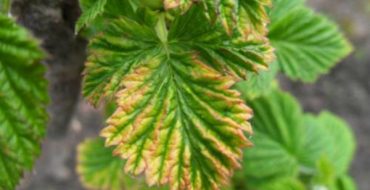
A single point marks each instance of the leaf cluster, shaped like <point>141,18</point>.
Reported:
<point>295,150</point>
<point>177,119</point>
<point>171,69</point>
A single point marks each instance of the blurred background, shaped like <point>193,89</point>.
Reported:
<point>344,91</point>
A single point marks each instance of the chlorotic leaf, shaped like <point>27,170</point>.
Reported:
<point>23,97</point>
<point>110,49</point>
<point>178,120</point>
<point>90,12</point>
<point>307,44</point>
<point>233,56</point>
<point>104,69</point>
<point>163,126</point>
<point>99,169</point>
<point>183,4</point>
<point>248,17</point>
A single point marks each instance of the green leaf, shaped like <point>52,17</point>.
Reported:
<point>307,44</point>
<point>23,97</point>
<point>277,138</point>
<point>339,152</point>
<point>327,177</point>
<point>284,136</point>
<point>283,184</point>
<point>258,84</point>
<point>345,183</point>
<point>176,109</point>
<point>91,10</point>
<point>281,8</point>
<point>99,169</point>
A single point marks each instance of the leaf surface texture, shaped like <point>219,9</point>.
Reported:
<point>307,44</point>
<point>285,136</point>
<point>178,121</point>
<point>23,96</point>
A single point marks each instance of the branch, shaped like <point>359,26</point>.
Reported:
<point>53,23</point>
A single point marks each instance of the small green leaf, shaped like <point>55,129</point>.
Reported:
<point>100,170</point>
<point>307,44</point>
<point>23,97</point>
<point>345,182</point>
<point>91,10</point>
<point>323,133</point>
<point>277,139</point>
<point>327,177</point>
<point>283,184</point>
<point>258,84</point>
<point>284,136</point>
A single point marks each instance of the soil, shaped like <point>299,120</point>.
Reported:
<point>344,91</point>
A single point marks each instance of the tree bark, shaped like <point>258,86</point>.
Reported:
<point>52,21</point>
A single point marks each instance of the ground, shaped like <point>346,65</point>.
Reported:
<point>344,91</point>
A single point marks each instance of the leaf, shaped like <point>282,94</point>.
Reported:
<point>111,49</point>
<point>327,177</point>
<point>283,184</point>
<point>163,121</point>
<point>339,152</point>
<point>233,56</point>
<point>99,169</point>
<point>284,136</point>
<point>104,69</point>
<point>307,44</point>
<point>172,84</point>
<point>248,17</point>
<point>183,4</point>
<point>277,139</point>
<point>281,8</point>
<point>346,183</point>
<point>91,10</point>
<point>258,84</point>
<point>23,97</point>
